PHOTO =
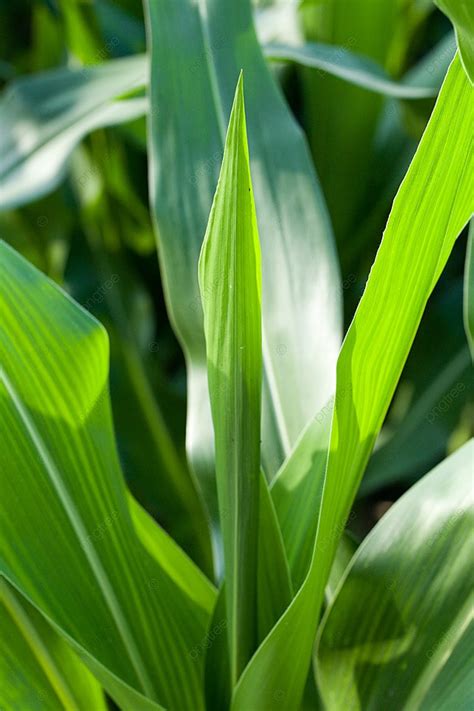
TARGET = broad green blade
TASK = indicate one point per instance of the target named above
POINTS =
(469, 289)
(350, 66)
(404, 605)
(433, 204)
(70, 545)
(153, 458)
(461, 14)
(43, 118)
(195, 65)
(37, 667)
(230, 283)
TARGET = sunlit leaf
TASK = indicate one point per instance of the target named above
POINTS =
(70, 545)
(37, 667)
(401, 614)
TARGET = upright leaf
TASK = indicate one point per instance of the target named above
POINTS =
(230, 283)
(194, 66)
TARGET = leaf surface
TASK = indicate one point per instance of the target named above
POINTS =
(353, 68)
(71, 547)
(44, 117)
(37, 666)
(399, 618)
(230, 284)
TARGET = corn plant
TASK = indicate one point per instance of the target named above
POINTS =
(246, 589)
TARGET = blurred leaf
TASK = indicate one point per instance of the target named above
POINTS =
(403, 609)
(353, 68)
(216, 651)
(43, 118)
(152, 454)
(194, 64)
(70, 545)
(461, 14)
(469, 289)
(81, 30)
(424, 433)
(340, 146)
(38, 669)
(429, 211)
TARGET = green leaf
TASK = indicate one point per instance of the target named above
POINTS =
(297, 490)
(275, 590)
(432, 206)
(402, 609)
(172, 559)
(216, 650)
(469, 289)
(194, 65)
(43, 118)
(369, 28)
(70, 545)
(230, 283)
(353, 68)
(37, 667)
(461, 14)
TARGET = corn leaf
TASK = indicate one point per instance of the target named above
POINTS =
(403, 607)
(194, 64)
(71, 547)
(432, 206)
(37, 668)
(461, 14)
(43, 118)
(353, 68)
(230, 283)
